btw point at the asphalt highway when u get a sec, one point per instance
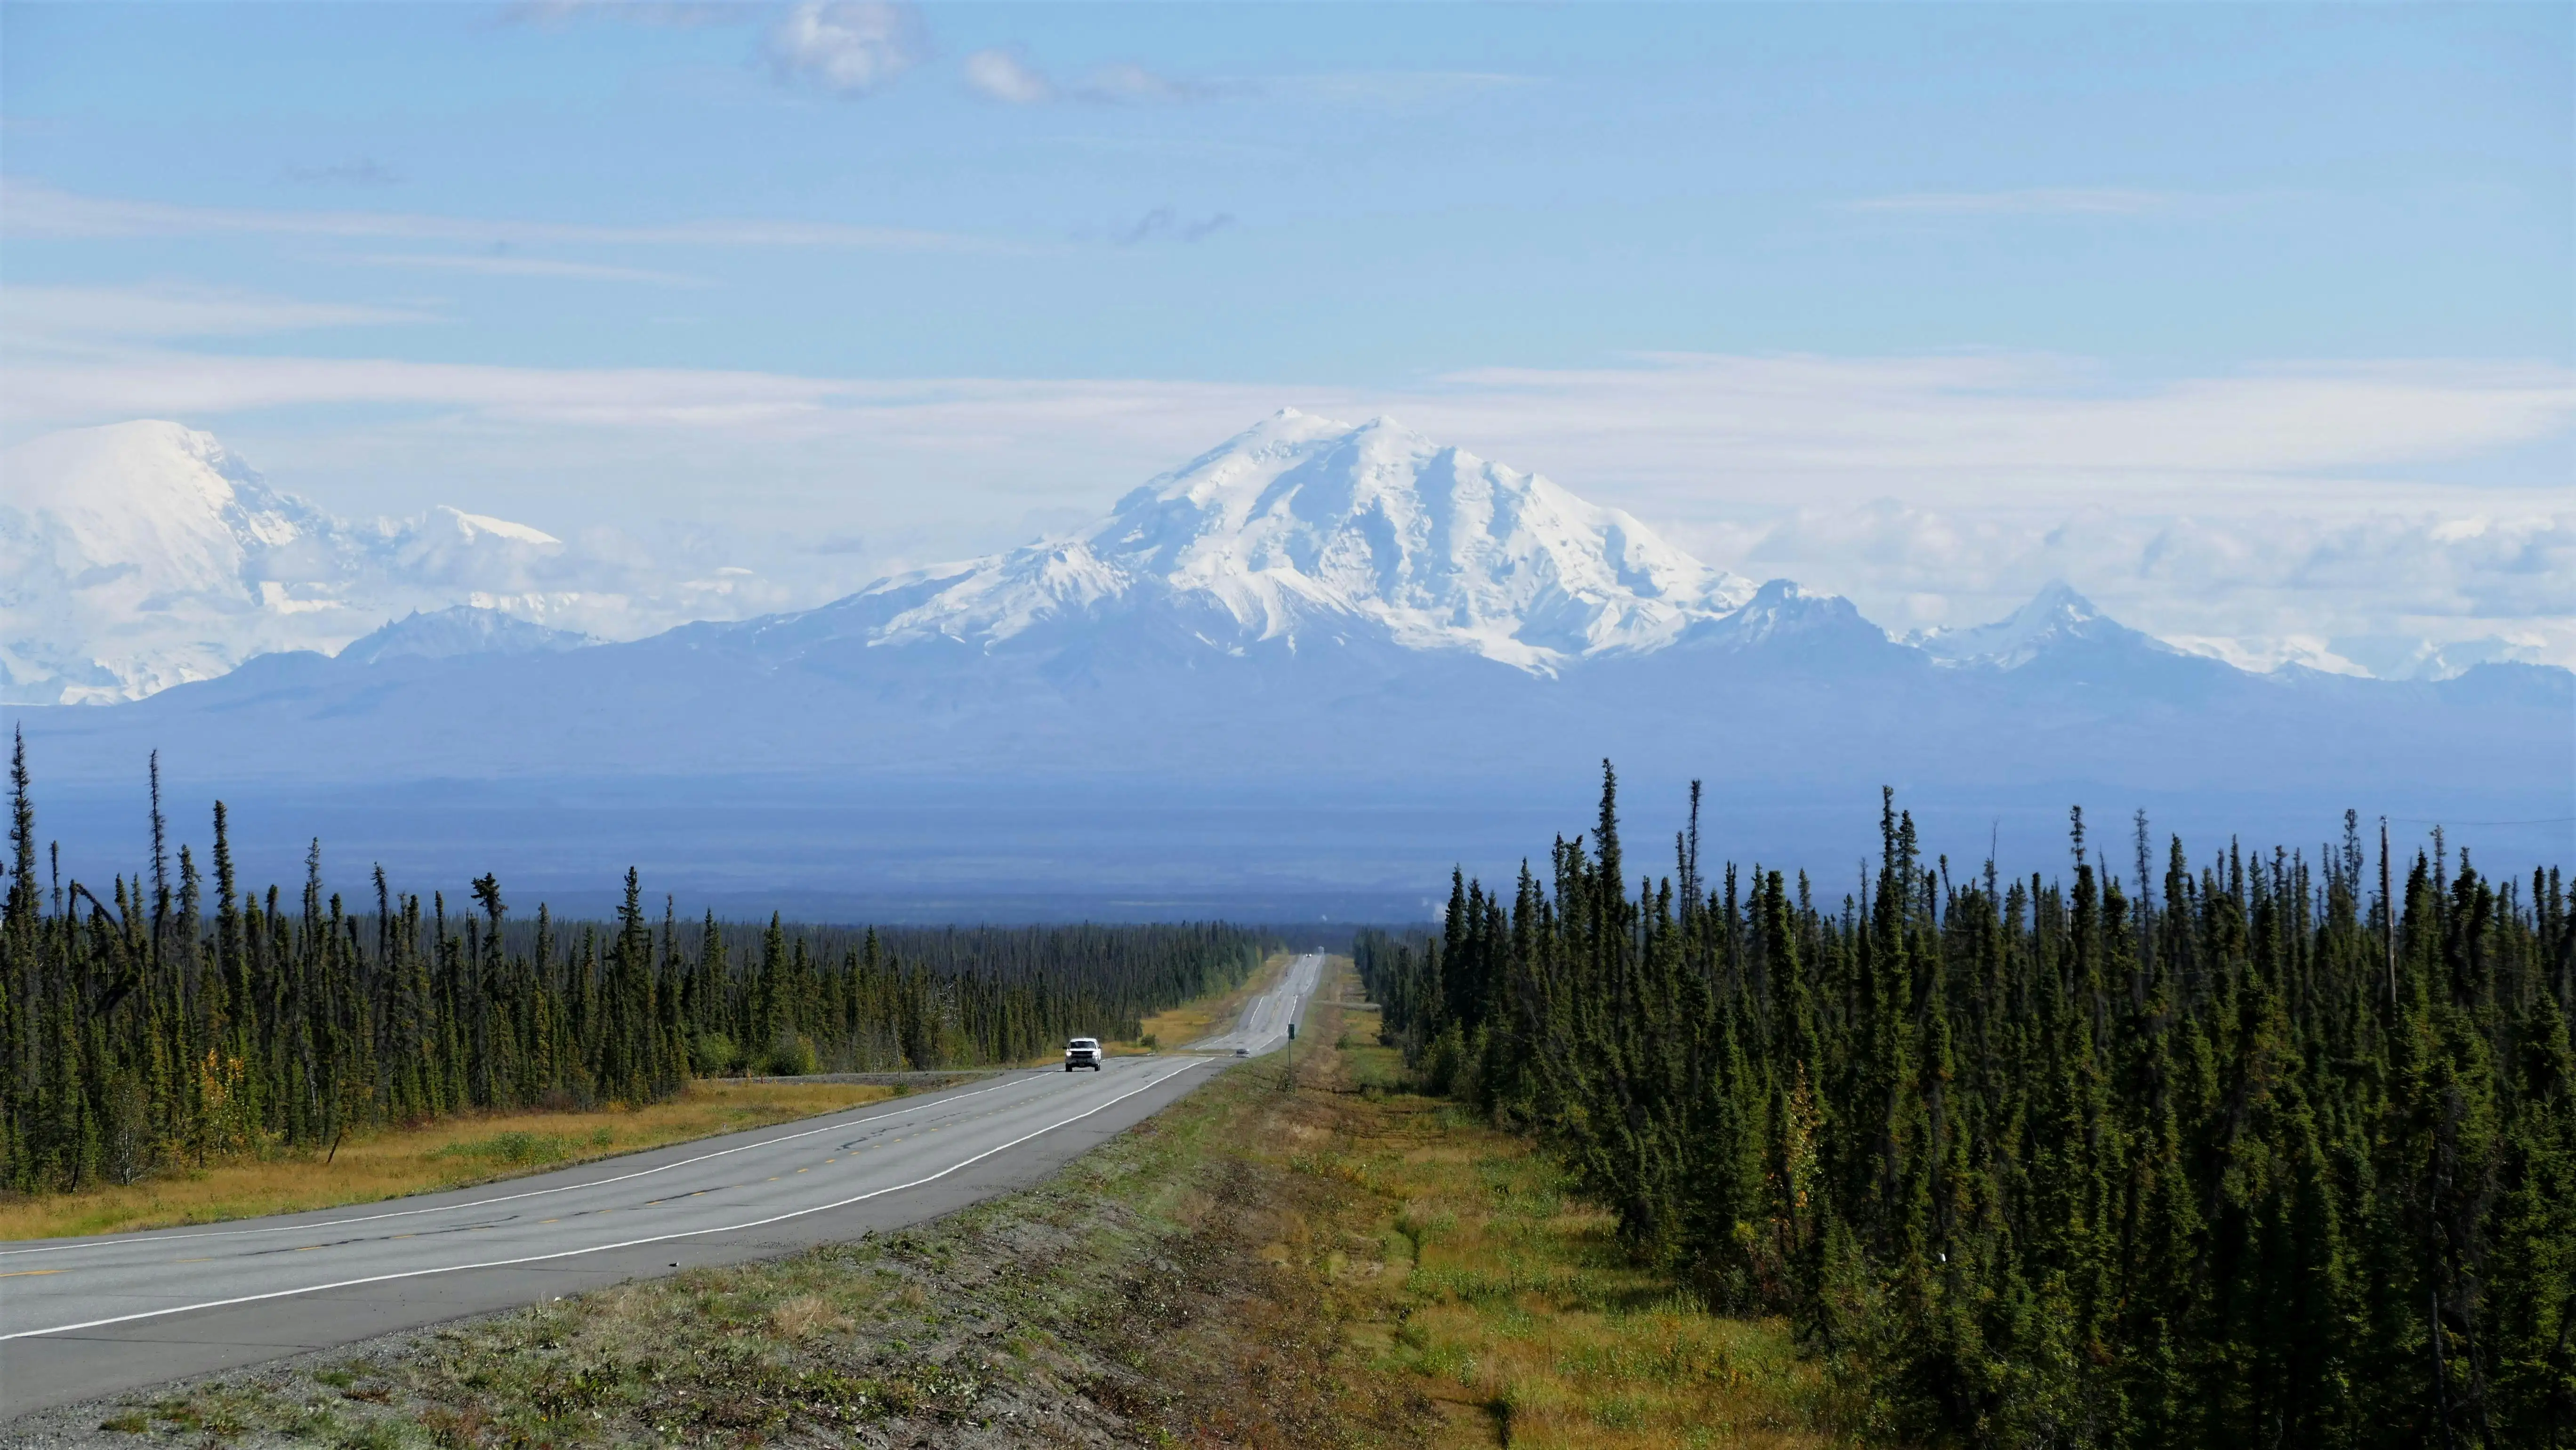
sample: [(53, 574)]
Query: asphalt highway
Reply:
[(82, 1318), (1264, 1024)]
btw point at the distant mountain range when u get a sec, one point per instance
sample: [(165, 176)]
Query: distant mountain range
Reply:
[(145, 555), (1314, 616)]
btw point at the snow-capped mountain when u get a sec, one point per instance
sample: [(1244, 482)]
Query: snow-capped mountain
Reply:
[(1784, 617), (2056, 622), (1302, 524), (143, 555), (462, 629), (1299, 632)]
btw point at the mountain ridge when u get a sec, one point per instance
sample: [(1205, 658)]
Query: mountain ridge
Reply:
[(147, 555)]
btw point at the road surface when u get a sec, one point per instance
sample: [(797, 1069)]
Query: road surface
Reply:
[(82, 1318), (1264, 1024)]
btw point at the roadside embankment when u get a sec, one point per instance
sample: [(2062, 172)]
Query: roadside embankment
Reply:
[(452, 1152), (1328, 1262)]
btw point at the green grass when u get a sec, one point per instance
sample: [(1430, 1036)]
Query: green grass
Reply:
[(1346, 1264)]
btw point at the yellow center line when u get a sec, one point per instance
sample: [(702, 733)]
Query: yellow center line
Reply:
[(308, 1248), (32, 1273), (549, 1220)]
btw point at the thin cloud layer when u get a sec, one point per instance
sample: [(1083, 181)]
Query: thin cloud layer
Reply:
[(34, 210), (2036, 201), (851, 48), (1007, 75), (1004, 76), (78, 317)]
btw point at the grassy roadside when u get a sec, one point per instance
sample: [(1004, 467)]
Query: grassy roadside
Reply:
[(1341, 1264), (1190, 1021), (1179, 1026), (1509, 1301), (456, 1152), (449, 1153)]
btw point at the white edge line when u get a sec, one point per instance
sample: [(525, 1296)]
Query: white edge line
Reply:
[(603, 1248), (157, 1236)]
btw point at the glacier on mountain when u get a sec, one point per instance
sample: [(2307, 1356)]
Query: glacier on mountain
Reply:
[(1308, 671), (2055, 619), (1302, 524), (146, 554)]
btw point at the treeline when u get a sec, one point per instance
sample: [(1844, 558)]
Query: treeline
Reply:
[(2256, 1150), (172, 1019)]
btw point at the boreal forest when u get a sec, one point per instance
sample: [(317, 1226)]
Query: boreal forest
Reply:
[(2241, 1148), (177, 1015)]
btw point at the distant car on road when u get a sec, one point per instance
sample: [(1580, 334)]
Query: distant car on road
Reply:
[(1082, 1052), (1243, 1052)]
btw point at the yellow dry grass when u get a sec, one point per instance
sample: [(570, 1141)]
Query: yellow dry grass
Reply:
[(449, 1153), (1187, 1023), (1190, 1021), (1508, 1300)]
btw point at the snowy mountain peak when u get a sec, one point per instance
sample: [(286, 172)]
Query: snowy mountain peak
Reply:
[(1300, 518), (2055, 618), (1787, 618), (142, 555), (459, 630)]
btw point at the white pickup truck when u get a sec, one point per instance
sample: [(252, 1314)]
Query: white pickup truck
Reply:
[(1082, 1052)]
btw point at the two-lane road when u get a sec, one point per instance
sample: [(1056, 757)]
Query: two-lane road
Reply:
[(1264, 1024), (81, 1318)]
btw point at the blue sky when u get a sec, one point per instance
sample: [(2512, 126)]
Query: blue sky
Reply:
[(923, 279)]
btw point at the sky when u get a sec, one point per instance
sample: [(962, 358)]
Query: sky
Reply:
[(2255, 323)]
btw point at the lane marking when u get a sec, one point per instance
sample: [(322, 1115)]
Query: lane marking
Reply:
[(30, 1273), (842, 1125), (604, 1248)]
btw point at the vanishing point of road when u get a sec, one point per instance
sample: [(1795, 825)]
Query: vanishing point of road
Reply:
[(84, 1318)]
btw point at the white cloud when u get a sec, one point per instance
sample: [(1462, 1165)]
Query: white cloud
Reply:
[(2062, 200), (1127, 81), (1007, 78), (1005, 75), (669, 14), (76, 316), (2379, 589), (852, 47), (504, 265), (32, 209), (1679, 430), (1394, 90), (1994, 427)]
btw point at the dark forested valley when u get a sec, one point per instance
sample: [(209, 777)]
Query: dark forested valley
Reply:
[(179, 1015), (2245, 1147)]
